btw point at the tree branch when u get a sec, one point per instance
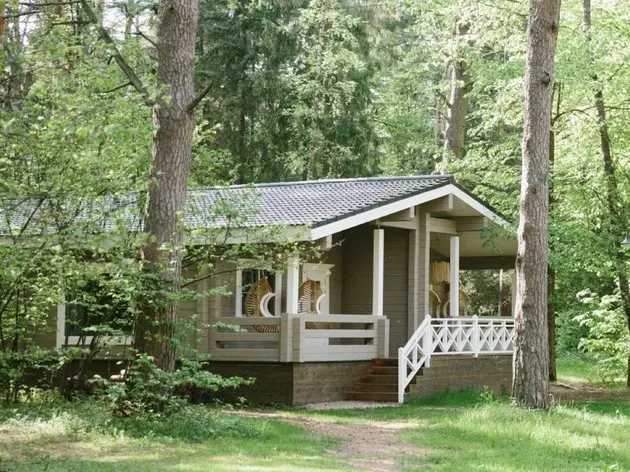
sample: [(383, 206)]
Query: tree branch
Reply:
[(120, 60), (118, 87), (443, 97), (145, 37), (48, 4), (199, 97)]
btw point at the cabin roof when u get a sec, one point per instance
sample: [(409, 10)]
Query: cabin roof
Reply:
[(323, 206), (311, 203)]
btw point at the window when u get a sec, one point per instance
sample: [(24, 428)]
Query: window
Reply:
[(95, 308), (257, 286)]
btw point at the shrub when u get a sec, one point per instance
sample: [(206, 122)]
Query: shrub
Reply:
[(147, 391), (607, 338), (23, 373)]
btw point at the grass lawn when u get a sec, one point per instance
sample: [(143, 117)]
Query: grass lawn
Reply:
[(81, 437), (575, 369), (467, 431)]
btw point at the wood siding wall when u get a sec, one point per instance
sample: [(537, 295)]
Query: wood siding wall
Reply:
[(357, 278), (335, 256)]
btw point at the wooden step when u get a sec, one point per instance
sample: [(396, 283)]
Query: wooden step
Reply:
[(373, 396), (379, 378), (385, 379), (376, 387), (386, 362), (384, 370), (380, 383)]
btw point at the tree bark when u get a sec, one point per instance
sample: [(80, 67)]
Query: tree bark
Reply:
[(530, 384), (166, 197), (455, 132), (618, 224), (551, 323), (551, 273)]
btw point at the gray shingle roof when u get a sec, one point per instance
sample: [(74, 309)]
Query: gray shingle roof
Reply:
[(312, 203), (309, 203)]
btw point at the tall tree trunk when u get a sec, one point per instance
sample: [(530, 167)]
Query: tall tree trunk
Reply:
[(618, 224), (551, 273), (551, 322), (530, 385), (455, 132), (172, 143)]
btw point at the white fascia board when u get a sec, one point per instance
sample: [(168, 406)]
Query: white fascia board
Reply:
[(382, 211), (481, 208)]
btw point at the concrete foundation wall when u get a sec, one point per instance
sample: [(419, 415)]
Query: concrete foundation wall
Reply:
[(455, 373)]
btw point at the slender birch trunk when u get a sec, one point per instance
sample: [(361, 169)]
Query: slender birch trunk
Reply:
[(530, 385), (618, 224)]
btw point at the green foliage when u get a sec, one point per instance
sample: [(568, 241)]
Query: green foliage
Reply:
[(607, 334), (82, 436), (24, 375), (149, 392), (292, 92)]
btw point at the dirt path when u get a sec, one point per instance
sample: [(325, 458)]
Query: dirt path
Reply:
[(366, 446), (378, 446), (577, 392)]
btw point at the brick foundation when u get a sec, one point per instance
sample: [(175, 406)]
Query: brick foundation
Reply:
[(455, 373), (325, 381), (292, 383)]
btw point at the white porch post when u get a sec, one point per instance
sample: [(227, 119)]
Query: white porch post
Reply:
[(454, 277), (293, 283), (377, 272), (277, 300)]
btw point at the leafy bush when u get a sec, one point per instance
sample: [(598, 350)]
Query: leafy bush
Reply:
[(23, 373), (570, 332), (150, 392), (607, 338), (192, 423)]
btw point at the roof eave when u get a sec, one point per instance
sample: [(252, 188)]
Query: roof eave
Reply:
[(408, 202)]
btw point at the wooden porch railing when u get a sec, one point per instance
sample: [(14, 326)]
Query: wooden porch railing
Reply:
[(299, 338), (452, 336)]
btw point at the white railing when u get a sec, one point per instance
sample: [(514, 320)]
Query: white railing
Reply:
[(452, 336), (300, 338)]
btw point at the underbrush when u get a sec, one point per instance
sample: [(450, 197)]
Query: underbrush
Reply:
[(85, 418), (584, 368)]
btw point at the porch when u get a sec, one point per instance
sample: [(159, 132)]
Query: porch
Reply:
[(368, 294), (300, 338), (311, 338)]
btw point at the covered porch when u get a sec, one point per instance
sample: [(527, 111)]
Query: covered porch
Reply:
[(371, 296), (372, 292)]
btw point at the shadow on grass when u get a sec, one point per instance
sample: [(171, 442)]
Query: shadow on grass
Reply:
[(417, 409), (81, 436), (498, 437)]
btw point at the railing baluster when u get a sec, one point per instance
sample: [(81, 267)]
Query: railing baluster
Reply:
[(476, 334)]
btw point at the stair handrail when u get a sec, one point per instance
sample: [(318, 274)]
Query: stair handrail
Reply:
[(414, 355)]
